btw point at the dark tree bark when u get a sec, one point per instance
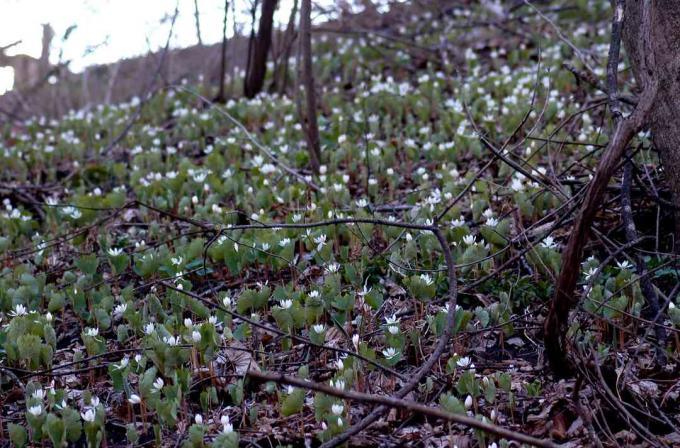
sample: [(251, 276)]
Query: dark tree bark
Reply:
[(664, 119), (257, 64), (281, 73), (197, 20), (306, 75), (221, 98)]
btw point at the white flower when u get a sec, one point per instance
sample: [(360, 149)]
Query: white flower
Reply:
[(19, 310), (340, 363), (392, 320), (468, 402), (226, 302), (196, 336), (38, 394), (92, 332), (35, 410), (340, 422), (198, 419), (426, 279), (393, 329), (470, 240), (115, 252), (48, 316), (286, 304), (465, 362), (590, 273), (284, 242), (119, 309), (123, 363), (337, 409), (320, 241), (671, 306), (170, 340), (460, 222), (549, 243), (88, 415), (319, 328), (135, 399), (227, 427), (176, 260), (361, 203), (624, 265), (390, 352), (492, 222), (313, 294), (516, 185), (94, 401), (355, 341), (158, 384), (149, 328), (338, 384), (188, 322)]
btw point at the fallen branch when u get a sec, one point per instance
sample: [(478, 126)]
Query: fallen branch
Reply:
[(432, 359), (410, 405)]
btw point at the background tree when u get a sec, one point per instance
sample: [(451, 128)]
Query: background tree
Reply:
[(307, 77), (257, 62)]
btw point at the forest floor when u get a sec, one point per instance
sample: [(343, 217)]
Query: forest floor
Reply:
[(168, 265)]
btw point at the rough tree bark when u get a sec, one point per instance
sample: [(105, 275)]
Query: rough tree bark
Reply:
[(664, 119), (306, 75), (257, 65)]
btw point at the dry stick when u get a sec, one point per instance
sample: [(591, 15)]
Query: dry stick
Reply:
[(434, 357), (564, 299), (394, 402)]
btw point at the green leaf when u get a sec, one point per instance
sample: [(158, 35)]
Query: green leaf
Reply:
[(88, 264), (54, 426), (293, 402), (18, 435)]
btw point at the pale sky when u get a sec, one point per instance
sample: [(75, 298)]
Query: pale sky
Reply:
[(108, 30)]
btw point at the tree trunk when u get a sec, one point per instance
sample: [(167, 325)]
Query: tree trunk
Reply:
[(306, 74), (197, 20), (564, 298), (664, 119), (221, 97), (257, 66)]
